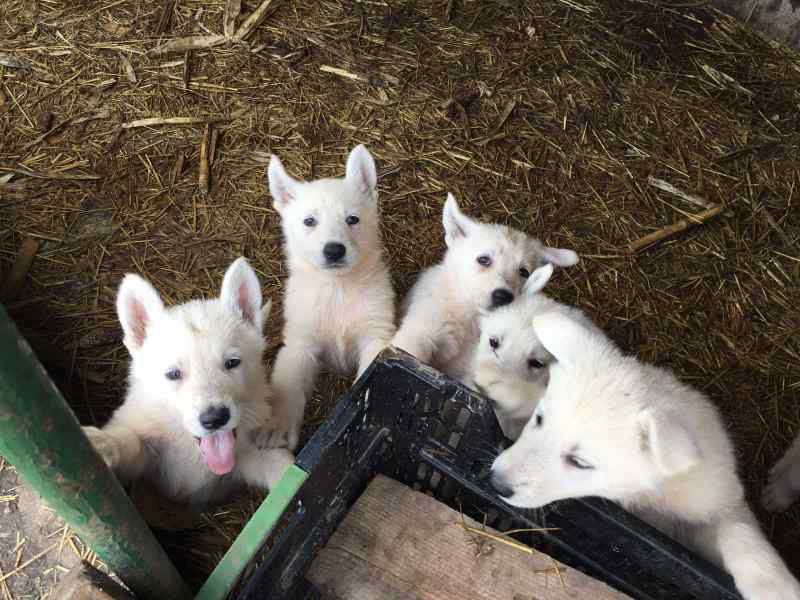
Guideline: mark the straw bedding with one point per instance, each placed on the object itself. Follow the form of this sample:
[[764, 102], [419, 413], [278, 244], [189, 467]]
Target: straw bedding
[[549, 116]]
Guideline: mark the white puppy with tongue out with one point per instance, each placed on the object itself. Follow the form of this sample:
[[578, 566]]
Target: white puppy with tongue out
[[197, 396]]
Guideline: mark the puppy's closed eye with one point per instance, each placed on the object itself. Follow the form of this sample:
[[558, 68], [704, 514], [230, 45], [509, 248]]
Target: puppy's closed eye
[[575, 461]]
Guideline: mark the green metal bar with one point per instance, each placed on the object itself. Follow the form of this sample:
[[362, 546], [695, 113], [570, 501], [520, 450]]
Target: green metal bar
[[252, 536], [41, 437]]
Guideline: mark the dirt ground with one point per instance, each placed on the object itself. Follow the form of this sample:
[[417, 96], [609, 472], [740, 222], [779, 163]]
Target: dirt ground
[[549, 116], [36, 549]]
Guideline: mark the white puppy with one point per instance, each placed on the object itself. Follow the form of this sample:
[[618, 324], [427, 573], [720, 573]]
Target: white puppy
[[485, 267], [197, 393], [339, 302], [510, 365], [613, 427], [783, 487]]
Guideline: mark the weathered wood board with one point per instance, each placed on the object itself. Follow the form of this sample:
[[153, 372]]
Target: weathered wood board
[[398, 544]]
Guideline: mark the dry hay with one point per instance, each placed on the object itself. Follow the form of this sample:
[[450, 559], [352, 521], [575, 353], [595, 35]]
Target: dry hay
[[549, 116]]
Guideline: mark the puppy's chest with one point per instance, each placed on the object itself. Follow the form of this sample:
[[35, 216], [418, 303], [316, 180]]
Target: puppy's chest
[[180, 473], [331, 311]]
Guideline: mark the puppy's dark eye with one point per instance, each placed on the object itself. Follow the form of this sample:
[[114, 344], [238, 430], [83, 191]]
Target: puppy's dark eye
[[232, 363], [535, 364], [539, 419], [309, 221], [494, 343], [577, 462], [352, 220], [524, 273], [174, 374], [484, 260]]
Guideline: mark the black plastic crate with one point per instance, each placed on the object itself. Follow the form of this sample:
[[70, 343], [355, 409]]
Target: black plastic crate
[[410, 422]]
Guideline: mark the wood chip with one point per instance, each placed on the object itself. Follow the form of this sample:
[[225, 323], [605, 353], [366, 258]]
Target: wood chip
[[203, 171], [187, 69], [15, 62], [665, 186], [233, 9], [212, 146], [343, 73], [178, 170], [166, 17], [19, 269], [501, 120], [673, 230], [127, 67], [252, 21], [155, 121], [195, 42]]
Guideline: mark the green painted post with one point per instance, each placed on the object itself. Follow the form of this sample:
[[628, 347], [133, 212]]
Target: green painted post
[[252, 537], [41, 437]]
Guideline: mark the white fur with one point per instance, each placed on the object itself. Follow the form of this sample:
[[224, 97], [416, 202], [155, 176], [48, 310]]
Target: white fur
[[440, 324], [152, 435], [510, 365], [783, 487], [339, 317], [655, 445]]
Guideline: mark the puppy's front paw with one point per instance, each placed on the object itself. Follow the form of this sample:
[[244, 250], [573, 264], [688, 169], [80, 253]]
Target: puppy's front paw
[[282, 431], [104, 444]]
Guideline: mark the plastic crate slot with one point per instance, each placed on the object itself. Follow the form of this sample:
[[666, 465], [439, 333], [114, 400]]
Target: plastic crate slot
[[491, 516], [374, 445], [463, 418], [480, 469], [442, 433], [450, 410], [455, 440], [449, 489]]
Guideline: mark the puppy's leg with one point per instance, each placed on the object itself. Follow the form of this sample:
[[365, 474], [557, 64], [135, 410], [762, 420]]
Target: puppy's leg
[[416, 336], [369, 348], [293, 375], [264, 468], [737, 543], [783, 486], [121, 449]]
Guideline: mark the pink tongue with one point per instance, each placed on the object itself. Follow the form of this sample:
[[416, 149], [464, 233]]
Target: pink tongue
[[219, 451]]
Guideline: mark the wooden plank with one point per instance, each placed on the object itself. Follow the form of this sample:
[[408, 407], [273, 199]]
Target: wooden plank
[[398, 544], [84, 582]]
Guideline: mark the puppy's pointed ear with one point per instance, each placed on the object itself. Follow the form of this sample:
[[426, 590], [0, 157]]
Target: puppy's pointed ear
[[560, 257], [241, 292], [138, 303], [282, 187], [457, 225], [561, 336], [537, 280], [672, 445], [361, 170]]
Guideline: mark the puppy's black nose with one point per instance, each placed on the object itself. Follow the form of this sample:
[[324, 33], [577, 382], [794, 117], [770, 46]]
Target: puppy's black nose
[[215, 417], [501, 297], [500, 486], [334, 251]]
